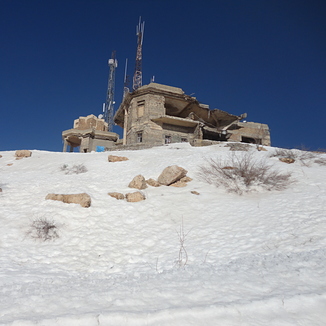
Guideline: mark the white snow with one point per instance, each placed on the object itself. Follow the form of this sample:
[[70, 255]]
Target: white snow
[[256, 259]]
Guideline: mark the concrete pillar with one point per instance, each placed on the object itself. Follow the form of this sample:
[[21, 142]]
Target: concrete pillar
[[125, 124], [64, 145]]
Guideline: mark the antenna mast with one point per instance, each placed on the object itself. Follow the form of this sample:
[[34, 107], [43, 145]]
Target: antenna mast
[[137, 81], [125, 81], [108, 106]]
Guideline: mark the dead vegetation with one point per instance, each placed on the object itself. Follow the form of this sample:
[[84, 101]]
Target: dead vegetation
[[43, 229], [75, 169], [305, 158], [243, 173]]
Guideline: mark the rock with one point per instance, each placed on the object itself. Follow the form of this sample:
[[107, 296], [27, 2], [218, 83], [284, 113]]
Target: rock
[[23, 153], [153, 182], [0, 156], [116, 195], [138, 182], [113, 158], [171, 174], [195, 192], [238, 147], [10, 164], [186, 179], [178, 184], [84, 200], [135, 196], [287, 160], [0, 190]]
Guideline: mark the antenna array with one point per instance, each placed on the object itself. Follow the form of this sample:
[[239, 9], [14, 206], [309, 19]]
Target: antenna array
[[108, 107], [137, 81]]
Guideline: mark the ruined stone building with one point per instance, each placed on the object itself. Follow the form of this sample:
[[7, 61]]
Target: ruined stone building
[[155, 115]]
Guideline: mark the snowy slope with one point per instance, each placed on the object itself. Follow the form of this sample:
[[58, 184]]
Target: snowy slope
[[256, 259]]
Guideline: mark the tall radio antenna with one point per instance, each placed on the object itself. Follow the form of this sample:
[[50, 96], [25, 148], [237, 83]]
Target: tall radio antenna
[[126, 81], [137, 81], [108, 106]]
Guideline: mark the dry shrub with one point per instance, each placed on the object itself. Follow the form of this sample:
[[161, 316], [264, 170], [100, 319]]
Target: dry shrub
[[304, 157], [75, 169], [243, 173], [43, 229], [321, 161]]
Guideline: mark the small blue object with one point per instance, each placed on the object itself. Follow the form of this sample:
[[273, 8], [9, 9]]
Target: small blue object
[[100, 148]]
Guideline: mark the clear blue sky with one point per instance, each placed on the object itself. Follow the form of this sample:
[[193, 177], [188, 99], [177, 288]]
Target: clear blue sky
[[265, 58]]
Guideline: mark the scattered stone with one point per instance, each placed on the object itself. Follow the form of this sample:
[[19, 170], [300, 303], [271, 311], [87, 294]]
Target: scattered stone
[[261, 148], [228, 168], [0, 190], [153, 182], [186, 179], [116, 195], [138, 182], [238, 147], [0, 156], [171, 174], [135, 196], [113, 158], [287, 160], [10, 164], [84, 200], [195, 192], [23, 153], [178, 184]]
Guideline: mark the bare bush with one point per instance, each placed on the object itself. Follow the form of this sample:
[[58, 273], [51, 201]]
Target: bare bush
[[242, 173], [321, 161], [183, 255], [43, 229], [75, 169], [304, 157]]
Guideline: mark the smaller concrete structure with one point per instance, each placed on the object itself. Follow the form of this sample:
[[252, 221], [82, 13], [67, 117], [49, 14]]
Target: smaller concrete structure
[[89, 134]]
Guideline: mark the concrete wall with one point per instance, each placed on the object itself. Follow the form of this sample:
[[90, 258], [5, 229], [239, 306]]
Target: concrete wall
[[257, 132]]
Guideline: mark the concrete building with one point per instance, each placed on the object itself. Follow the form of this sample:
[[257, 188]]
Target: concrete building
[[89, 134], [157, 114]]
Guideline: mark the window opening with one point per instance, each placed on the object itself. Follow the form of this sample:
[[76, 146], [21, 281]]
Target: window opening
[[140, 108], [139, 137], [167, 139]]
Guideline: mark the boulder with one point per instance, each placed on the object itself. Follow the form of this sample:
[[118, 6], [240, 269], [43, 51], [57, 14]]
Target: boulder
[[195, 192], [171, 174], [113, 158], [23, 153], [116, 195], [186, 179], [178, 184], [83, 199], [138, 182], [153, 182], [135, 196], [287, 160]]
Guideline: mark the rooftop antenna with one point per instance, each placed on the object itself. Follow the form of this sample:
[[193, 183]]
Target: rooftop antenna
[[126, 81], [108, 106], [137, 81]]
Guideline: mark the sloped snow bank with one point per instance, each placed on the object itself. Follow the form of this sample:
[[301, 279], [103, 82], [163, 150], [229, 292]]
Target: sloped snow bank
[[257, 259]]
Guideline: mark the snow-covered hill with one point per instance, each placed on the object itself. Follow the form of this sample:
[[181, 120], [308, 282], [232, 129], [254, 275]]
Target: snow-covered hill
[[256, 259]]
